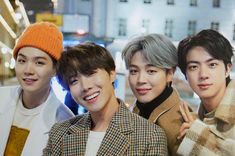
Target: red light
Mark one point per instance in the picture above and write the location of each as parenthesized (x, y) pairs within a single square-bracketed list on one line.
[(81, 32)]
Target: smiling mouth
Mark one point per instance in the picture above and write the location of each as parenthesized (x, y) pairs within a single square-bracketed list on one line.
[(28, 80), (92, 97)]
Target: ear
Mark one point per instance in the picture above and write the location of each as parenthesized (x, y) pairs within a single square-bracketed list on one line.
[(54, 72), (170, 74), (112, 75), (229, 68)]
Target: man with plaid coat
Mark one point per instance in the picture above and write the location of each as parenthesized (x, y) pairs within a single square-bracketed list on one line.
[(206, 61), (109, 128)]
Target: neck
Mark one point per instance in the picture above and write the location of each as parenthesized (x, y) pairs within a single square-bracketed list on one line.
[(32, 100), (147, 108), (102, 118), (212, 103)]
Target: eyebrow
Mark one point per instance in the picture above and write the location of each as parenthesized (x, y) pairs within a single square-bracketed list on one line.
[(35, 58), (197, 62), (148, 65), (22, 55)]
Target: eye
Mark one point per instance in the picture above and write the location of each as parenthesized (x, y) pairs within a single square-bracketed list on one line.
[(192, 67), (40, 63), (151, 72), (213, 65), (133, 71), (73, 81), (20, 60)]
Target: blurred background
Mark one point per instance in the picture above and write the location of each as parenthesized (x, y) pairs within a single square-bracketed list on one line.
[(111, 23)]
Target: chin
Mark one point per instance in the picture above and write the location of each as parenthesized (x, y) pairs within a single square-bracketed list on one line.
[(143, 100)]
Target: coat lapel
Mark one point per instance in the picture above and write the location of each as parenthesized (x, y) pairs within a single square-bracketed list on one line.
[(165, 106), (226, 108), (116, 140), (9, 100), (75, 142)]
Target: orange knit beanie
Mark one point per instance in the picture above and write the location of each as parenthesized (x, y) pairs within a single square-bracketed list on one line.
[(44, 36)]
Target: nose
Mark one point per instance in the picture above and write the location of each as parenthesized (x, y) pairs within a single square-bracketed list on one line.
[(86, 83), (204, 73), (28, 70), (141, 77)]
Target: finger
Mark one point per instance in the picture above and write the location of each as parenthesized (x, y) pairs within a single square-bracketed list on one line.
[(182, 134), (187, 112), (185, 125), (182, 111)]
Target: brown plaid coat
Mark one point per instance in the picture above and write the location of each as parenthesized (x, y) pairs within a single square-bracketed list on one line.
[(213, 136), (128, 134)]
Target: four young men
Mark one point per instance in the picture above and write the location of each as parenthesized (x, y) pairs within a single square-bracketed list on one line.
[(88, 72)]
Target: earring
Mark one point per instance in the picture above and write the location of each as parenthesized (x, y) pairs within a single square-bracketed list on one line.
[(168, 84)]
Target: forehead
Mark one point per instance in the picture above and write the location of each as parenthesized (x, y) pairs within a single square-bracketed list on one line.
[(139, 56), (199, 54), (32, 52)]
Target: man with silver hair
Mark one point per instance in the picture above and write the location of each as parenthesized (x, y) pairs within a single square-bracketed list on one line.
[(152, 60)]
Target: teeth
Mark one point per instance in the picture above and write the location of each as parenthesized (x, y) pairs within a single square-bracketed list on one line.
[(92, 96)]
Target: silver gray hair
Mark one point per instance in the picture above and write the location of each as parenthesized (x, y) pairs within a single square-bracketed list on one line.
[(156, 48)]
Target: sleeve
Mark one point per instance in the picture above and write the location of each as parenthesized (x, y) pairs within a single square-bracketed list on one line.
[(202, 139)]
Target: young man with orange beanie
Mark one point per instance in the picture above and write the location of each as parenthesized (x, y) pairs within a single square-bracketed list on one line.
[(28, 111)]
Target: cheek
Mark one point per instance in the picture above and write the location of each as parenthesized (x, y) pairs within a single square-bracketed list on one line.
[(74, 92), (132, 81)]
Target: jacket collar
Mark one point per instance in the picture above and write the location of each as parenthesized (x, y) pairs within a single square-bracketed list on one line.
[(226, 109), (120, 126), (121, 119), (13, 94), (170, 102)]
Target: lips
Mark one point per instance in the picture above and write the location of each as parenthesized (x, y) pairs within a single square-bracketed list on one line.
[(92, 97), (142, 91), (204, 86), (29, 81)]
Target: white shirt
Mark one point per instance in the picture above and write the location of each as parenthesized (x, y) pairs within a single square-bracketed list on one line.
[(93, 143), (24, 118)]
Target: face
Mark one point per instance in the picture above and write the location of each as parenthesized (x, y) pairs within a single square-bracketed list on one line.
[(34, 69), (94, 92), (206, 75), (147, 81)]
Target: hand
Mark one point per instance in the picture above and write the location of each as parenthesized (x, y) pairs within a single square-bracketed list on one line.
[(188, 120)]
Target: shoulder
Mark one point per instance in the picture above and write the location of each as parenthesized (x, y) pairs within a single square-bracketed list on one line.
[(61, 111), (9, 93), (14, 89), (62, 127), (142, 125)]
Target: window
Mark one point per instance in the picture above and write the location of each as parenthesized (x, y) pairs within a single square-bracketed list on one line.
[(234, 32), (122, 27), (168, 27), (147, 1), (216, 3), (193, 2), (123, 0), (192, 28), (145, 25), (170, 2), (215, 26)]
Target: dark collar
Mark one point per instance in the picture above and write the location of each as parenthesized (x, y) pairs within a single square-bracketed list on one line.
[(147, 108)]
